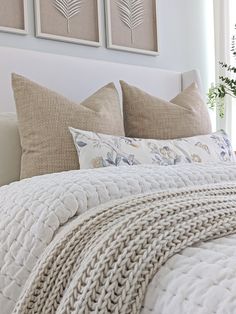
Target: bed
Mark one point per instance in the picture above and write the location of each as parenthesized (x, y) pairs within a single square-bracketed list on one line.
[(140, 239)]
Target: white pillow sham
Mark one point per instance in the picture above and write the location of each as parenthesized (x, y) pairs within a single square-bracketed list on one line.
[(97, 150)]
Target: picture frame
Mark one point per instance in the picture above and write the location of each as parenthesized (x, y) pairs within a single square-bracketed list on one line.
[(24, 30), (114, 19), (41, 33)]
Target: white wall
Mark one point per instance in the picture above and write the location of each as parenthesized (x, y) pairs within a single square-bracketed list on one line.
[(185, 39)]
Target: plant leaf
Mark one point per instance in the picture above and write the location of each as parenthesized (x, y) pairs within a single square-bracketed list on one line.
[(68, 8), (81, 144), (131, 14)]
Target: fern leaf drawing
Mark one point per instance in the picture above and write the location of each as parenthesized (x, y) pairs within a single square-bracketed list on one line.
[(68, 8), (131, 14)]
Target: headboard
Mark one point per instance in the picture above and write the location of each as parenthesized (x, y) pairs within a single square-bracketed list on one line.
[(78, 78)]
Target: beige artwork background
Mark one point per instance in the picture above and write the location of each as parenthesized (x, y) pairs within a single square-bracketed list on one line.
[(82, 26), (145, 35), (12, 14)]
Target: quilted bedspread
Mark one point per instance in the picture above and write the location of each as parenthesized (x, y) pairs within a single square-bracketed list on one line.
[(200, 279)]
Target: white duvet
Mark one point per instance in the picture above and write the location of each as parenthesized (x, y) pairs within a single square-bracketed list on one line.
[(202, 279)]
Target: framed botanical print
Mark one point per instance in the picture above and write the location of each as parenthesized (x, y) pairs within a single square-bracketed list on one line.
[(75, 21), (14, 16), (132, 26)]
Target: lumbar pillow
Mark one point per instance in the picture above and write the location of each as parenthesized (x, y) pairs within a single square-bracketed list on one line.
[(146, 116), (44, 117), (99, 150)]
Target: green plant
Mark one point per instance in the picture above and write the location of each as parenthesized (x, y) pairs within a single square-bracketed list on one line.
[(226, 85)]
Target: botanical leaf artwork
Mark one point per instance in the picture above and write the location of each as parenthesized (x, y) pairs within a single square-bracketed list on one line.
[(68, 8), (131, 14)]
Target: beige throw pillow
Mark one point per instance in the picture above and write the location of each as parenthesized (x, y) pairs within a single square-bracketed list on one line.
[(44, 117), (146, 116)]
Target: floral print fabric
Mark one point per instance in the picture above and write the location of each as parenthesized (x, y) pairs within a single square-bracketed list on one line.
[(99, 150)]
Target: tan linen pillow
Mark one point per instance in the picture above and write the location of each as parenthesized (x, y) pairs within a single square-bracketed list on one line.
[(146, 116), (44, 117)]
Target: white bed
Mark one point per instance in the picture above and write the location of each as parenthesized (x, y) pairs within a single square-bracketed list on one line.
[(36, 213)]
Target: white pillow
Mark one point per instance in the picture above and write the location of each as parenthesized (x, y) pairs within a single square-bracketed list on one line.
[(99, 150)]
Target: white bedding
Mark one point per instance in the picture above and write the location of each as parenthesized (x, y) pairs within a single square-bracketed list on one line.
[(199, 280), (34, 210)]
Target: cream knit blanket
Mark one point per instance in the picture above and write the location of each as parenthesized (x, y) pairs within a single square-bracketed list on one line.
[(104, 260)]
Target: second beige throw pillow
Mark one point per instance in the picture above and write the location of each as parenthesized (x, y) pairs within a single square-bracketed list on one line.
[(146, 116)]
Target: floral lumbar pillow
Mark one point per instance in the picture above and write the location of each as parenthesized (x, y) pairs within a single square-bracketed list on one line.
[(97, 150)]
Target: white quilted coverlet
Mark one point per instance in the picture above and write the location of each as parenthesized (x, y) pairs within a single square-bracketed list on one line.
[(202, 279)]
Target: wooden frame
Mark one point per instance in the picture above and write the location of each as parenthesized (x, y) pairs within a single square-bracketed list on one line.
[(40, 34), (17, 30), (110, 44)]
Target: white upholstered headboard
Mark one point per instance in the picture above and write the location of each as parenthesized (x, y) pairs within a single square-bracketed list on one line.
[(77, 78)]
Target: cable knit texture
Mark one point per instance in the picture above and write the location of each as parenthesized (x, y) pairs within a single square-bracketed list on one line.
[(105, 263), (35, 211)]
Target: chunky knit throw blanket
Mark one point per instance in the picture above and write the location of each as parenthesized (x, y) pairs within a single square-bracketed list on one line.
[(104, 260)]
